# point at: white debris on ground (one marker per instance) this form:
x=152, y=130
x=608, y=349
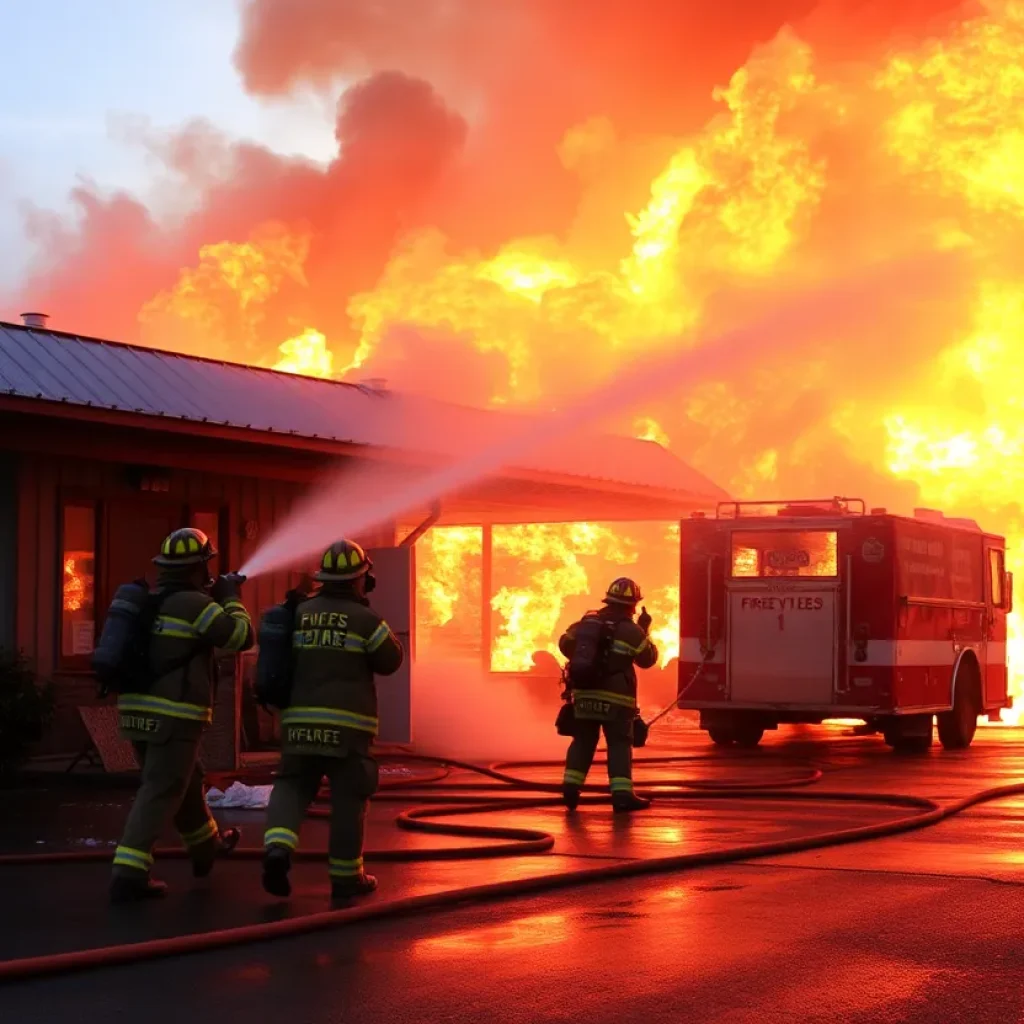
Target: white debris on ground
x=400, y=770
x=239, y=795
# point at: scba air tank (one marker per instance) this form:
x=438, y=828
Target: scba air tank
x=274, y=663
x=120, y=629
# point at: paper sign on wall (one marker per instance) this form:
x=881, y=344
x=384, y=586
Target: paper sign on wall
x=83, y=636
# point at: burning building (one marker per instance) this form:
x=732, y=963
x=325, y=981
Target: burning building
x=108, y=447
x=518, y=182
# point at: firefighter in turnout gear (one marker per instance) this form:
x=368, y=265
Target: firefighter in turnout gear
x=194, y=616
x=607, y=697
x=339, y=645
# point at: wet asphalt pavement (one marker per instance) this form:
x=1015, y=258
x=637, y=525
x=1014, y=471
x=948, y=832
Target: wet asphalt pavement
x=924, y=927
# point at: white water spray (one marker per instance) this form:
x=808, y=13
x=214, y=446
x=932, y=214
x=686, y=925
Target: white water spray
x=356, y=501
x=458, y=711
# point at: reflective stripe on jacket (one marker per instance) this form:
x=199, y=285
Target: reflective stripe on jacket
x=631, y=649
x=339, y=644
x=190, y=626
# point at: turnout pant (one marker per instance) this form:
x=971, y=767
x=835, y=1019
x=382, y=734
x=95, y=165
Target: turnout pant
x=618, y=735
x=353, y=780
x=172, y=789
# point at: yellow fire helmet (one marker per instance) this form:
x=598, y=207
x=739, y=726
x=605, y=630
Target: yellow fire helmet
x=343, y=560
x=623, y=591
x=186, y=546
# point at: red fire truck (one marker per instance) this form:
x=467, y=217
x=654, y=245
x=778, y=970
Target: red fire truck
x=802, y=611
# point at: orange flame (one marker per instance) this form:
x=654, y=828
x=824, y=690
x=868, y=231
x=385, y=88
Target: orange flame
x=926, y=145
x=648, y=429
x=306, y=353
x=74, y=586
x=220, y=306
x=545, y=576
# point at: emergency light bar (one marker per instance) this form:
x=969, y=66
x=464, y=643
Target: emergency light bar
x=791, y=509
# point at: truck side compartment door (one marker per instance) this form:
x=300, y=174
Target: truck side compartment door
x=998, y=599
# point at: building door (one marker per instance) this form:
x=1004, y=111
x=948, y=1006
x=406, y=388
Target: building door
x=135, y=531
x=393, y=601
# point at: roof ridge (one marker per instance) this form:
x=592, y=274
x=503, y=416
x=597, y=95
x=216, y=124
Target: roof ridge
x=139, y=347
x=519, y=411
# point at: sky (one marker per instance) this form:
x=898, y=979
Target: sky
x=78, y=74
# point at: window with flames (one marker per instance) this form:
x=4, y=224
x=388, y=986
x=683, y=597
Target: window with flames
x=543, y=576
x=784, y=553
x=78, y=582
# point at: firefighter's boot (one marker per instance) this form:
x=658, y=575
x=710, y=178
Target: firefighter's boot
x=277, y=862
x=128, y=889
x=357, y=885
x=571, y=796
x=626, y=800
x=222, y=845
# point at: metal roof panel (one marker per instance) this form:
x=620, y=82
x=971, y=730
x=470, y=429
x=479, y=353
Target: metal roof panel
x=60, y=367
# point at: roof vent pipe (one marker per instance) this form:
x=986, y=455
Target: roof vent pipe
x=34, y=319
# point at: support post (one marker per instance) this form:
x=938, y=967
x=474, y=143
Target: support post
x=415, y=534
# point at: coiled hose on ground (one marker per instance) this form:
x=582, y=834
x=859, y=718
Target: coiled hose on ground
x=454, y=799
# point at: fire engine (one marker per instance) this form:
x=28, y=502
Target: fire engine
x=803, y=611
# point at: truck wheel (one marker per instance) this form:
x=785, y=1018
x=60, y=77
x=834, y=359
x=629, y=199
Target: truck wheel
x=958, y=726
x=748, y=736
x=720, y=736
x=911, y=744
x=909, y=735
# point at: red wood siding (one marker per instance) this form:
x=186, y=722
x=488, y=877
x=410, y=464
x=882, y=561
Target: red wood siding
x=8, y=548
x=45, y=480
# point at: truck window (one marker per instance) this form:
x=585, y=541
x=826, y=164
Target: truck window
x=995, y=576
x=787, y=553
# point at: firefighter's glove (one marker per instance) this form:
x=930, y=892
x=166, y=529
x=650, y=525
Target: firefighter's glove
x=226, y=587
x=644, y=622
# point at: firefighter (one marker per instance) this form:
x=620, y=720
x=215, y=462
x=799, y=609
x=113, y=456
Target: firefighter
x=194, y=616
x=609, y=703
x=339, y=644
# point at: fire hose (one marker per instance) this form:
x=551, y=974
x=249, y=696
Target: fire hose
x=454, y=800
x=642, y=728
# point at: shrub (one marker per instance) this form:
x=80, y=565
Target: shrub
x=26, y=710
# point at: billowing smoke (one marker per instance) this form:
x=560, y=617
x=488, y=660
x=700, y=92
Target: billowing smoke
x=272, y=244
x=356, y=500
x=526, y=71
x=459, y=713
x=542, y=187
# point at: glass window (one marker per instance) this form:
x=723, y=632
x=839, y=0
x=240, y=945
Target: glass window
x=78, y=581
x=209, y=523
x=995, y=568
x=449, y=582
x=785, y=553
